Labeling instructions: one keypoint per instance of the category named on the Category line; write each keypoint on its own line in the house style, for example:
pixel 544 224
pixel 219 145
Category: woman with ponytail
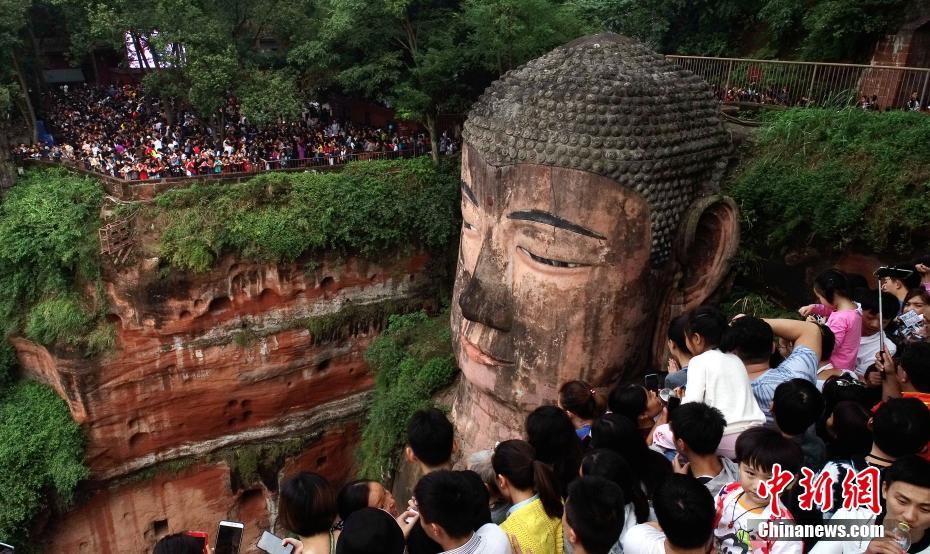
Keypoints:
pixel 583 405
pixel 535 520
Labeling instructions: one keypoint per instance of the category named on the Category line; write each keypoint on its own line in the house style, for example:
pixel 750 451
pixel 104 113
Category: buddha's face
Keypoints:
pixel 553 280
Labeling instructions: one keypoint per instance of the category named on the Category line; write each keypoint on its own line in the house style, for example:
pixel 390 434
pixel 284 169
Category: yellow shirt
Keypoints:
pixel 534 530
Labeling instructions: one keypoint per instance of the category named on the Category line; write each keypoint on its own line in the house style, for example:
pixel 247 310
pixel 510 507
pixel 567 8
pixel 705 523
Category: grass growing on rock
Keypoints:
pixel 835 180
pixel 48 252
pixel 412 359
pixel 368 208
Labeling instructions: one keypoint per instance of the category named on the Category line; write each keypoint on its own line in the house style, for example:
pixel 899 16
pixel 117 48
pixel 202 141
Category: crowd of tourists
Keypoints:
pixel 843 391
pixel 123 133
pixel 780 95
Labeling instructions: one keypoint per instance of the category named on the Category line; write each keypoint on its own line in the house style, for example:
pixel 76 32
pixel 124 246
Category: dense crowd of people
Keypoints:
pixel 843 392
pixel 121 132
pixel 780 95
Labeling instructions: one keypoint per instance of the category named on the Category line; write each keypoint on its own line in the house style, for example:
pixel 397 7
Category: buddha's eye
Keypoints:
pixel 551 262
pixel 468 225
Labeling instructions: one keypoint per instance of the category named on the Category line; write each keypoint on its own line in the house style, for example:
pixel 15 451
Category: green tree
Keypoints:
pixel 41 456
pixel 427 57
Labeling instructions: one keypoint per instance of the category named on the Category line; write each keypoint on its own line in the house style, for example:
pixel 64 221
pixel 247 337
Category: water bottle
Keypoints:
pixel 900 533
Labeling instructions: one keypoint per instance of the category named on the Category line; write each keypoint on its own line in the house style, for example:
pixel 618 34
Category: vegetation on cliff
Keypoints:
pixel 835 180
pixel 411 360
pixel 48 251
pixel 368 208
pixel 41 456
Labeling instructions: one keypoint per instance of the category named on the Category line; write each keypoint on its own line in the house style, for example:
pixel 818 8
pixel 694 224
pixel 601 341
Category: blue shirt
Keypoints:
pixel 583 432
pixel 800 364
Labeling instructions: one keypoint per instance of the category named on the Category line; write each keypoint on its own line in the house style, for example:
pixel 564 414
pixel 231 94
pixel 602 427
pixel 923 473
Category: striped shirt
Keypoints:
pixel 800 364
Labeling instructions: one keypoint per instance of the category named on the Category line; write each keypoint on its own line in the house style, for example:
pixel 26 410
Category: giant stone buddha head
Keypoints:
pixel 591 215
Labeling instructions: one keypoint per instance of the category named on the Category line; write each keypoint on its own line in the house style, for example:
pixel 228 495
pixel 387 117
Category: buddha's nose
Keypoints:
pixel 487 297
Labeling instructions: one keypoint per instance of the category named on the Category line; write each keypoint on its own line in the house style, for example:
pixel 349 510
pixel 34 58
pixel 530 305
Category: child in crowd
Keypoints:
pixel 697 429
pixel 719 379
pixel 843 318
pixel 593 515
pixel 739 506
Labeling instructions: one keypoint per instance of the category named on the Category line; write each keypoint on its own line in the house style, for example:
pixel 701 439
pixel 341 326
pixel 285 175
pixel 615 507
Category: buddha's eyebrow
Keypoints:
pixel 556 221
pixel 466 190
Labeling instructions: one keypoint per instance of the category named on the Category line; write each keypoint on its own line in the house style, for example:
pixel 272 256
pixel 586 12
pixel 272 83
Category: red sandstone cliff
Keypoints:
pixel 246 354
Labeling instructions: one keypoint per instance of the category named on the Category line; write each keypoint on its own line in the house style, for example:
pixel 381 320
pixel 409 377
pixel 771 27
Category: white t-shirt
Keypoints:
pixel 868 348
pixel 736 526
pixel 720 380
pixel 643 539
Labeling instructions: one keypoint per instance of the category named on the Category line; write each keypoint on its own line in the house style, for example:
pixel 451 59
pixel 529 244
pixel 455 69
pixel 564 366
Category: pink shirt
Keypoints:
pixel 847 329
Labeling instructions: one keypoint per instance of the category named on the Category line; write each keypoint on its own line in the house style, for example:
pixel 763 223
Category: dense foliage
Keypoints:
pixel 412 359
pixel 368 208
pixel 834 180
pixel 823 30
pixel 41 456
pixel 48 248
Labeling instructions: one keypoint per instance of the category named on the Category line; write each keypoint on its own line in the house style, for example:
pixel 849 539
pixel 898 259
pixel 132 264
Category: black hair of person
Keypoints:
pixel 796 405
pixel 179 543
pixel 620 434
pixel 709 322
pixel 446 499
pixel 580 398
pixel 700 426
pixel 856 281
pixel 901 426
pixel 605 463
pixel 516 460
pixel 594 510
pixel 685 511
pixel 628 400
pixel 762 448
pixel 370 531
pixel 550 431
pixel 750 338
pixel 830 283
pixel 849 436
pixel 676 332
pixel 914 359
pixel 353 497
pixel 430 435
pixel 307 504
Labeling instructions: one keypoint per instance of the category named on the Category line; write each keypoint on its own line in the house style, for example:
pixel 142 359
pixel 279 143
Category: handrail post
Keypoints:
pixel 923 91
pixel 726 87
pixel 810 90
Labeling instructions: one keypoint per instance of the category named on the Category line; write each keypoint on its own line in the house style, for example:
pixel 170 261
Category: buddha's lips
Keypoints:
pixel 478 355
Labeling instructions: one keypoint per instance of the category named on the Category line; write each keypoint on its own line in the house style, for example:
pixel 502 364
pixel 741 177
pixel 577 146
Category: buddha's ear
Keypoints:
pixel 708 240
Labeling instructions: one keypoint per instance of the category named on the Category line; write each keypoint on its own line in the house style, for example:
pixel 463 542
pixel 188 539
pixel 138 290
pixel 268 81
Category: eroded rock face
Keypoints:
pixel 129 518
pixel 230 356
pixel 246 355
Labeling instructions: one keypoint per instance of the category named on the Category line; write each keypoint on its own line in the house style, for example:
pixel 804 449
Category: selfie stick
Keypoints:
pixel 881 323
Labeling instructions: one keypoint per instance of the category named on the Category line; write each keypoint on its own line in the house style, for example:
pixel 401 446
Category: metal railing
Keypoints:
pixel 787 83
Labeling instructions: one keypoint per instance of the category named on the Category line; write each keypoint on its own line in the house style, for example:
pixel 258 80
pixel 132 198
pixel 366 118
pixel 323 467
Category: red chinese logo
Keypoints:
pixel 860 490
pixel 817 490
pixel 773 487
